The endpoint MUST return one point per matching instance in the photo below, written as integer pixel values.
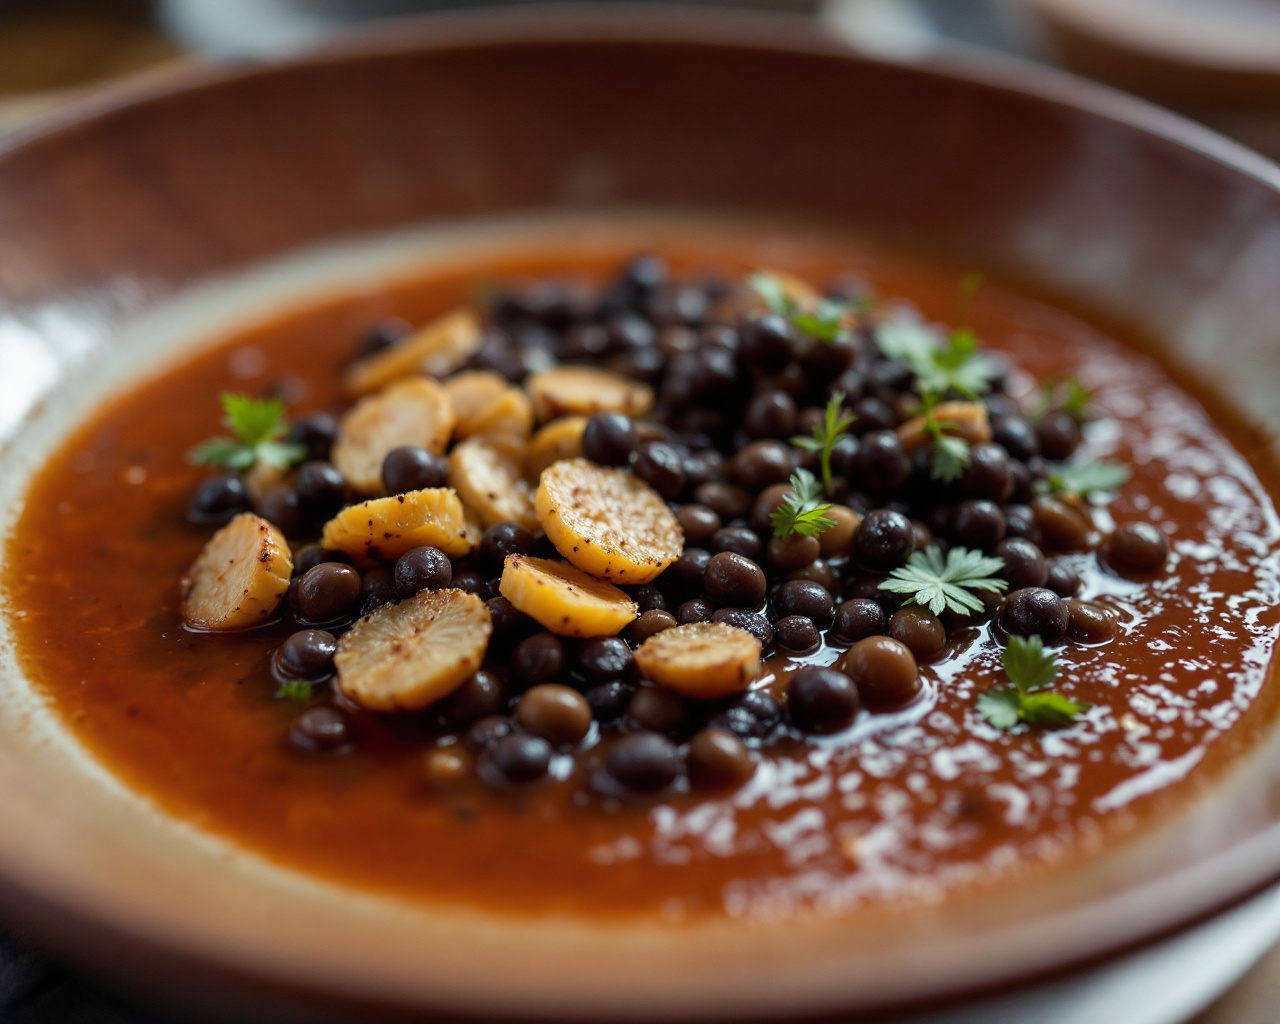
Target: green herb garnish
(826, 434)
(954, 365)
(1086, 478)
(950, 453)
(906, 339)
(950, 458)
(258, 425)
(295, 689)
(1032, 670)
(959, 366)
(1066, 395)
(773, 293)
(802, 511)
(969, 285)
(825, 322)
(938, 583)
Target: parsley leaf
(225, 453)
(802, 511)
(940, 366)
(295, 689)
(1067, 395)
(950, 453)
(830, 430)
(1076, 402)
(1001, 707)
(1051, 710)
(959, 366)
(969, 285)
(258, 425)
(254, 420)
(950, 457)
(935, 583)
(1028, 665)
(905, 339)
(825, 322)
(774, 293)
(1087, 478)
(1032, 670)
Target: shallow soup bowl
(112, 213)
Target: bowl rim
(565, 21)
(1252, 865)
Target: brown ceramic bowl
(1074, 190)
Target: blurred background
(1217, 61)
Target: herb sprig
(802, 511)
(258, 424)
(296, 690)
(1086, 478)
(825, 322)
(826, 434)
(939, 366)
(1032, 670)
(773, 293)
(970, 285)
(958, 366)
(950, 453)
(1066, 395)
(940, 583)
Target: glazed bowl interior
(1065, 188)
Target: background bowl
(1070, 189)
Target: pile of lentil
(736, 381)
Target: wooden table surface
(48, 61)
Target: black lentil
(518, 758)
(479, 697)
(558, 714)
(734, 580)
(307, 654)
(858, 618)
(804, 597)
(717, 759)
(609, 438)
(218, 499)
(883, 540)
(603, 658)
(1035, 611)
(821, 700)
(1137, 549)
(699, 523)
(316, 433)
(1024, 563)
(644, 762)
(884, 671)
(321, 730)
(536, 659)
(424, 568)
(321, 489)
(753, 622)
(797, 634)
(649, 623)
(326, 592)
(413, 469)
(661, 466)
(740, 540)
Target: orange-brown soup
(902, 806)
